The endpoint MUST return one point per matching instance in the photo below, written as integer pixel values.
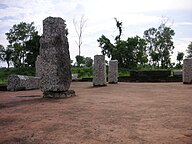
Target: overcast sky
(136, 15)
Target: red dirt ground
(125, 113)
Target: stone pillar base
(112, 82)
(63, 94)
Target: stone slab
(20, 82)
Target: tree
(106, 46)
(6, 55)
(130, 53)
(133, 53)
(32, 50)
(79, 27)
(17, 36)
(119, 26)
(88, 61)
(180, 56)
(189, 50)
(80, 60)
(159, 42)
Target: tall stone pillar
(99, 71)
(53, 64)
(113, 72)
(187, 71)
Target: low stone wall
(19, 82)
(177, 73)
(150, 74)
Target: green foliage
(32, 50)
(84, 61)
(130, 54)
(87, 72)
(88, 62)
(124, 72)
(135, 51)
(4, 73)
(160, 45)
(189, 50)
(83, 72)
(80, 60)
(6, 55)
(17, 36)
(106, 47)
(180, 57)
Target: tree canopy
(180, 56)
(160, 45)
(84, 61)
(6, 54)
(155, 48)
(189, 50)
(130, 53)
(18, 36)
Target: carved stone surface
(99, 71)
(53, 64)
(19, 82)
(113, 72)
(187, 71)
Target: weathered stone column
(53, 63)
(99, 71)
(187, 71)
(113, 72)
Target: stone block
(19, 82)
(113, 72)
(99, 71)
(187, 71)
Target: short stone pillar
(187, 71)
(99, 71)
(113, 72)
(53, 64)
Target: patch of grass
(124, 72)
(5, 72)
(83, 72)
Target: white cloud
(183, 24)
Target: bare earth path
(126, 113)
